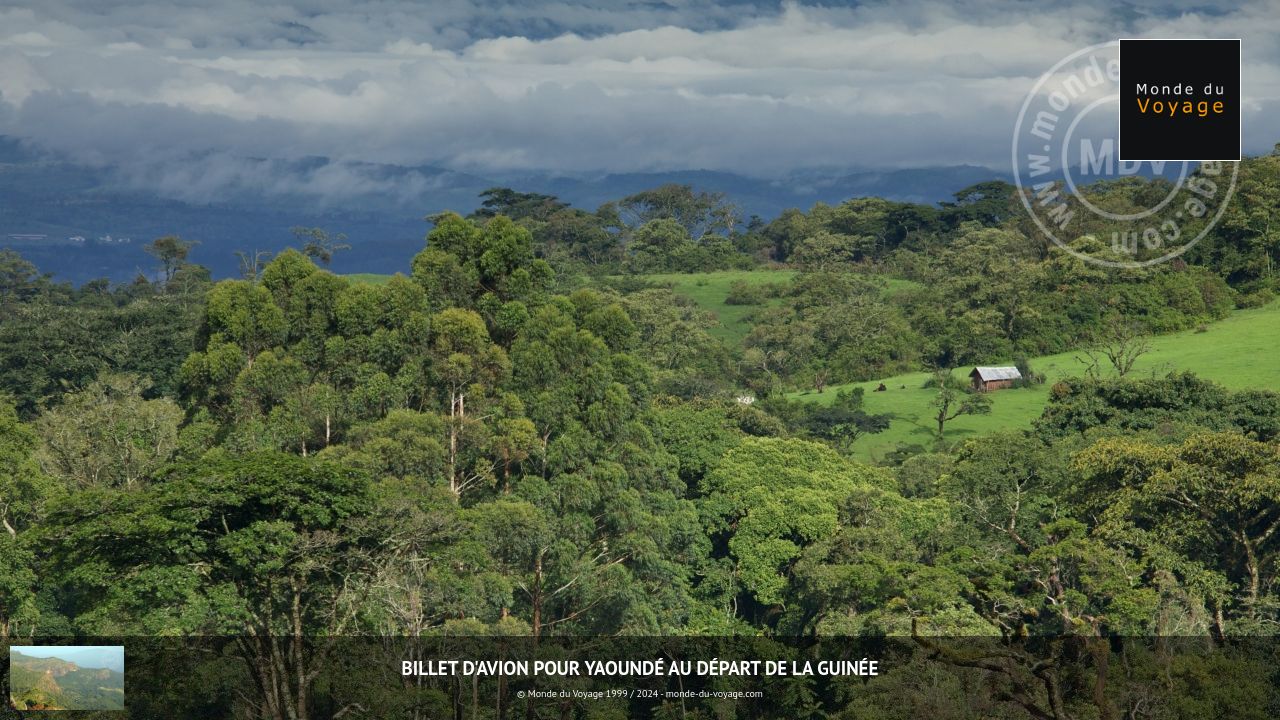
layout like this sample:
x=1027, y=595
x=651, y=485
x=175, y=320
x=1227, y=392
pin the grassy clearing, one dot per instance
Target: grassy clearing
x=709, y=290
x=1238, y=352
x=369, y=278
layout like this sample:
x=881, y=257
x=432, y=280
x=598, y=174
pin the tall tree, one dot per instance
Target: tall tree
x=24, y=491
x=1213, y=501
x=268, y=548
x=171, y=251
x=318, y=244
x=517, y=205
x=698, y=212
x=108, y=435
x=467, y=364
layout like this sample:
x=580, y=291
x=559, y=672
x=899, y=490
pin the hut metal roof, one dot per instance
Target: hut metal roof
x=996, y=373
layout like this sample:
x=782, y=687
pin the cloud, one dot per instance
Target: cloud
x=756, y=88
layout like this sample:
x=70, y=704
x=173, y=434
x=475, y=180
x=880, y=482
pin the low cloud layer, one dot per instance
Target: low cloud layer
x=754, y=88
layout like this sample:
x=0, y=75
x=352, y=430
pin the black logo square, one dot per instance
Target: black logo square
x=1179, y=99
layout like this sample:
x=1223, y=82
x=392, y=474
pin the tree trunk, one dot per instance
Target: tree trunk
x=1251, y=567
x=536, y=595
x=457, y=412
x=1100, y=648
x=300, y=668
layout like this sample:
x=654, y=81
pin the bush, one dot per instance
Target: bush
x=1030, y=378
x=743, y=293
x=1255, y=299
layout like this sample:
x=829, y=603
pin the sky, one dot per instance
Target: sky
x=85, y=656
x=758, y=88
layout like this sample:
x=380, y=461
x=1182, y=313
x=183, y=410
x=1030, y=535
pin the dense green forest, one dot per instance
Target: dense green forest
x=529, y=433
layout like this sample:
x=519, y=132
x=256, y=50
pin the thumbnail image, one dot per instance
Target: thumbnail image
x=66, y=677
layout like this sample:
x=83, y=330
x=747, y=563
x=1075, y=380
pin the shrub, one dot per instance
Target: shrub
x=1030, y=378
x=743, y=293
x=1255, y=299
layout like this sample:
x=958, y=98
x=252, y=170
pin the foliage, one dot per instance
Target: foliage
x=951, y=401
x=171, y=251
x=109, y=435
x=770, y=498
x=498, y=444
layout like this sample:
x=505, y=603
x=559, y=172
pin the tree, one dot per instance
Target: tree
x=517, y=205
x=108, y=435
x=1177, y=400
x=466, y=362
x=1038, y=576
x=465, y=265
x=879, y=570
x=24, y=490
x=1122, y=342
x=318, y=244
x=769, y=498
x=1246, y=243
x=952, y=402
x=405, y=444
x=987, y=202
x=251, y=263
x=50, y=345
x=244, y=313
x=785, y=233
x=655, y=244
x=698, y=212
x=171, y=251
x=824, y=251
x=1213, y=500
x=19, y=279
x=844, y=421
x=578, y=234
x=18, y=583
x=268, y=548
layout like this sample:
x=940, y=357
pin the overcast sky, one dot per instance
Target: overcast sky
x=753, y=87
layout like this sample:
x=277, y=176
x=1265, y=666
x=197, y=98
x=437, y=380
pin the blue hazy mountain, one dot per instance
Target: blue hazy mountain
x=81, y=221
x=110, y=657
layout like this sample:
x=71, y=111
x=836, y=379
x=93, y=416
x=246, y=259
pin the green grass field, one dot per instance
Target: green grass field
x=1238, y=352
x=709, y=290
x=369, y=278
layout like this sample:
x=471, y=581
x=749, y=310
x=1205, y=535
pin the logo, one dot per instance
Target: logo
x=1180, y=99
x=1086, y=200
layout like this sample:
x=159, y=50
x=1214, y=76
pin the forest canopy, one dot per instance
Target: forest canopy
x=528, y=434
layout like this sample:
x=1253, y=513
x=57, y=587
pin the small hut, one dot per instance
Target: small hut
x=986, y=379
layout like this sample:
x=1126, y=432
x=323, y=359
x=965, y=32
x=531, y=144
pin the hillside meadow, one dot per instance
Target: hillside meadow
x=710, y=289
x=1238, y=352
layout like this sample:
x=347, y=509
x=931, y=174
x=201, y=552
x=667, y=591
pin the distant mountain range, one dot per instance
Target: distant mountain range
x=40, y=683
x=82, y=221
